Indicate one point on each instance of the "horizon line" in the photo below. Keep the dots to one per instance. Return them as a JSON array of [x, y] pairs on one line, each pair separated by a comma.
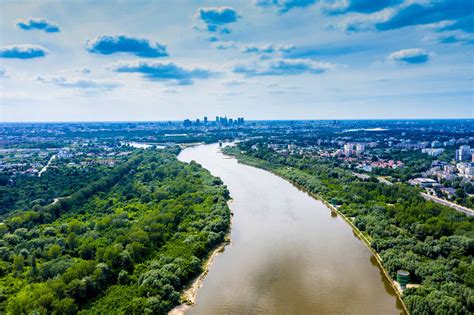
[[213, 121]]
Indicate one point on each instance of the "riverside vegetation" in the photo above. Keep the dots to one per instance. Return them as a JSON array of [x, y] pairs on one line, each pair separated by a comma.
[[128, 242], [433, 242]]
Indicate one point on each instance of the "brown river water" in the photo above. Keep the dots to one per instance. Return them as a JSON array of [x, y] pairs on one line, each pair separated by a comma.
[[289, 253]]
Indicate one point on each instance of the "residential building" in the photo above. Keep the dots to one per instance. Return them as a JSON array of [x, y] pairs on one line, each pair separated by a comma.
[[360, 148], [348, 149], [464, 153], [432, 151], [423, 182]]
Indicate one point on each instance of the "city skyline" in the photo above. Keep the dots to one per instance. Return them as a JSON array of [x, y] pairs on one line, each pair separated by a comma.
[[147, 61]]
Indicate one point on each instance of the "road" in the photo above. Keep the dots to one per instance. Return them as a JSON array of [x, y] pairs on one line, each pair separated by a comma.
[[384, 180], [450, 204], [46, 166], [453, 205]]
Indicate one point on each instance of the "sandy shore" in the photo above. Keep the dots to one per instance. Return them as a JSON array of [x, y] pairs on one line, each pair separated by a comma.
[[189, 295]]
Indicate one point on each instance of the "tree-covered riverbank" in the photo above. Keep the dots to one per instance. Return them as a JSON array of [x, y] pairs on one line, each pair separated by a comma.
[[433, 242], [128, 242]]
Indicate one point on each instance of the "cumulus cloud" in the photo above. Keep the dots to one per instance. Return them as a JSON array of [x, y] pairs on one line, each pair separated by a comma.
[[3, 73], [218, 15], [79, 83], [158, 71], [215, 18], [284, 5], [282, 67], [412, 55], [267, 48], [106, 45], [37, 24], [24, 51]]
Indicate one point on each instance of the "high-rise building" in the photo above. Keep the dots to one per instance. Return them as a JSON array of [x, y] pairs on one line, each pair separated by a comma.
[[348, 149], [360, 148], [224, 121], [464, 153], [205, 119]]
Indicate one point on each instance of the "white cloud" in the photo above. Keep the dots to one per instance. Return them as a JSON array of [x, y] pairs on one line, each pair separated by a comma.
[[411, 55]]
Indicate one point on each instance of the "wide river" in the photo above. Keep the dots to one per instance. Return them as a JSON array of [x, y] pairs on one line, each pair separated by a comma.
[[289, 254]]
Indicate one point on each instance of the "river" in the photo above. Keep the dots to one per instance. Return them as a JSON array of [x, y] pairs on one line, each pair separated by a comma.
[[289, 253]]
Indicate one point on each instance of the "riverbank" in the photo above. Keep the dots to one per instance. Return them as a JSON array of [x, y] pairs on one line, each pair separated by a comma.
[[356, 231], [189, 294]]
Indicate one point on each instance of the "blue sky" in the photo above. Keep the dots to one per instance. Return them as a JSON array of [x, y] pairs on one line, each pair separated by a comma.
[[261, 59]]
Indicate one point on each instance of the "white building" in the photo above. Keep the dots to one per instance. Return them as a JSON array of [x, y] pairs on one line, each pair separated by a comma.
[[450, 168], [466, 169], [423, 182], [432, 151], [63, 154], [445, 175], [348, 149]]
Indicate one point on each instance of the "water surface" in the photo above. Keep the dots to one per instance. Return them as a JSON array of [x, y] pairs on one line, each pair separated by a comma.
[[288, 255]]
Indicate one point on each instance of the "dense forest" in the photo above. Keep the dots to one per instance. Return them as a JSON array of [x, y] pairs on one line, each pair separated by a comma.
[[433, 242], [128, 241], [26, 191]]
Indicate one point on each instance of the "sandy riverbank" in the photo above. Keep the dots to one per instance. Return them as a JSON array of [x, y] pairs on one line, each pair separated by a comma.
[[189, 294]]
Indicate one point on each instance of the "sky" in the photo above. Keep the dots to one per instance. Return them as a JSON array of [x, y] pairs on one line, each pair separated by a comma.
[[148, 60]]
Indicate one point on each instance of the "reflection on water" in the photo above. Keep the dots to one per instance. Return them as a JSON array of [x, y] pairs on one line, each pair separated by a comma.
[[288, 256]]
